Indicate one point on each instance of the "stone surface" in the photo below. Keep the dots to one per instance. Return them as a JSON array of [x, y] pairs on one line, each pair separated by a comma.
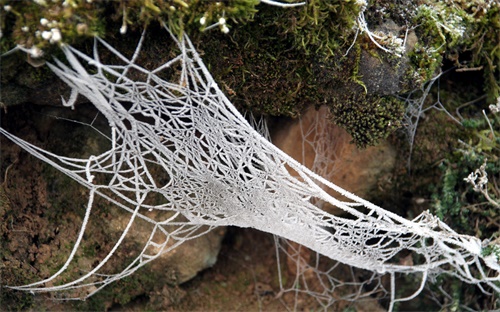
[[41, 209], [331, 153], [387, 76]]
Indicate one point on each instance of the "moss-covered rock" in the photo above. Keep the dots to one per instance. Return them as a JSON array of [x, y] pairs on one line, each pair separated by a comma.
[[273, 62]]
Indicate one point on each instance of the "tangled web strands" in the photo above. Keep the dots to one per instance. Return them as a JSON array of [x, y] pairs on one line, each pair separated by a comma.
[[221, 172]]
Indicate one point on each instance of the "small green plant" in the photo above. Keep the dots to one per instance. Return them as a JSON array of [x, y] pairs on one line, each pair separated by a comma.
[[469, 194]]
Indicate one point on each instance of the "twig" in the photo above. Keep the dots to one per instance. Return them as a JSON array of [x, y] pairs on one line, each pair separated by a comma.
[[489, 124], [282, 5], [467, 104]]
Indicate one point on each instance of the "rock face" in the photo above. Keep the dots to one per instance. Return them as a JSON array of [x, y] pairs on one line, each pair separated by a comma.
[[327, 149], [186, 261], [179, 265], [41, 212], [381, 77], [24, 83]]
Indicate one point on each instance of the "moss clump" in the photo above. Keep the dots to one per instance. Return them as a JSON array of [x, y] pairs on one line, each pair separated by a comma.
[[35, 24], [281, 51], [183, 14], [469, 211], [259, 67], [322, 27], [368, 119]]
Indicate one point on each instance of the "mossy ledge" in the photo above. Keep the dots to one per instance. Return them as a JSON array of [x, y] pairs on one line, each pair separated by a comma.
[[287, 54]]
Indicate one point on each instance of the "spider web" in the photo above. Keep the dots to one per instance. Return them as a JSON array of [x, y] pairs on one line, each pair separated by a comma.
[[174, 134], [416, 106], [332, 284]]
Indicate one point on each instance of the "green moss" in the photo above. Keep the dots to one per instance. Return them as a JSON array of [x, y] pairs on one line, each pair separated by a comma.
[[280, 51], [368, 119], [447, 30], [24, 23], [447, 204], [259, 68], [491, 249], [455, 201], [322, 27], [77, 19]]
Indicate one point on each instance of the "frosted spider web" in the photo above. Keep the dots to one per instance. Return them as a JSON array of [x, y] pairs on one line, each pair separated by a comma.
[[216, 170], [417, 106], [332, 284]]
